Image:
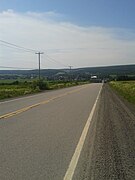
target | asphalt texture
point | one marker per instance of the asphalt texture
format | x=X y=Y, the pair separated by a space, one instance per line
x=109 y=149
x=38 y=144
x=11 y=105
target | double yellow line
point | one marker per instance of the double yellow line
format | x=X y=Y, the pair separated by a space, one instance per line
x=5 y=116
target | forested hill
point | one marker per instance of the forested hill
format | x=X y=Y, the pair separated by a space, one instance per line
x=106 y=70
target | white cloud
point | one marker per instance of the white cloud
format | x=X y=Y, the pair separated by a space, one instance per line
x=66 y=42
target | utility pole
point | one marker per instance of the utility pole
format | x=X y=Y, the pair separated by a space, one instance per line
x=39 y=53
x=70 y=67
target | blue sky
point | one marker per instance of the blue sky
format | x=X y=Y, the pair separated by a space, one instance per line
x=75 y=32
x=109 y=13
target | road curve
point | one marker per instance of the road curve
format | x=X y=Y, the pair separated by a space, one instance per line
x=38 y=143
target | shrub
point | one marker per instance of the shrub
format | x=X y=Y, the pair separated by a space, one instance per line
x=42 y=85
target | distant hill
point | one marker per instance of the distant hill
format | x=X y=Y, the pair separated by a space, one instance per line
x=111 y=70
x=106 y=70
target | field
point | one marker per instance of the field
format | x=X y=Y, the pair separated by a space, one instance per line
x=11 y=88
x=9 y=91
x=125 y=89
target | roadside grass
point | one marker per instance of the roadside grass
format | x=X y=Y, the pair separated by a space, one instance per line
x=58 y=85
x=10 y=89
x=10 y=81
x=125 y=89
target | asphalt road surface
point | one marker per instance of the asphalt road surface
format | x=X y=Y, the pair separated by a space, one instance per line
x=38 y=142
x=39 y=135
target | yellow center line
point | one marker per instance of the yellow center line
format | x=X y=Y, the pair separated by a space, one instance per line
x=5 y=116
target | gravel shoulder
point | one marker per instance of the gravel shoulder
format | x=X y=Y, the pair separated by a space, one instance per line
x=109 y=150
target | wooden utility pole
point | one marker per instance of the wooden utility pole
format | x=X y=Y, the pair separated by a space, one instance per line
x=70 y=67
x=39 y=53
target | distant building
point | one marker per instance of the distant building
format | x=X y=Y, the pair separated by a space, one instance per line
x=95 y=79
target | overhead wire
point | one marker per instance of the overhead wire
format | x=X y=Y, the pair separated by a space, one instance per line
x=58 y=62
x=11 y=45
x=18 y=68
x=17 y=46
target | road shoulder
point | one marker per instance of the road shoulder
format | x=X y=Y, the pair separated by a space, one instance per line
x=108 y=152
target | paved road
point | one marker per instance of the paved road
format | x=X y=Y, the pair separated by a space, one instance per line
x=109 y=149
x=39 y=134
x=38 y=141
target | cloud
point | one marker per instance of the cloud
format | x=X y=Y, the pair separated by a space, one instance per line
x=64 y=41
x=50 y=16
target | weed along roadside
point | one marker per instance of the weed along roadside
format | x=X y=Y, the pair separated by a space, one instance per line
x=16 y=88
x=22 y=88
x=125 y=89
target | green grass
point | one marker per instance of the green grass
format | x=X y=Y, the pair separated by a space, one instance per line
x=125 y=89
x=10 y=89
x=58 y=84
x=9 y=81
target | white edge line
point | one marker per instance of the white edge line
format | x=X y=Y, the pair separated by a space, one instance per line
x=73 y=163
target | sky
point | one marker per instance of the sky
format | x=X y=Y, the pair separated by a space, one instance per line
x=81 y=33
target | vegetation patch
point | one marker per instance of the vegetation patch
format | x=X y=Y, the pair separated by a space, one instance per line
x=10 y=89
x=125 y=88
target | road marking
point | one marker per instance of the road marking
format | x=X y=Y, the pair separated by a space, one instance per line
x=73 y=163
x=38 y=104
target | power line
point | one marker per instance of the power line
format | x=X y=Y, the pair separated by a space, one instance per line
x=9 y=46
x=56 y=61
x=17 y=46
x=9 y=67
